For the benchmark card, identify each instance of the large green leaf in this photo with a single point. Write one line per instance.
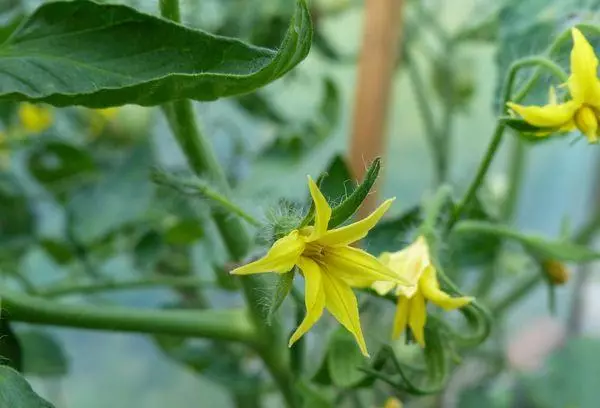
(15, 392)
(97, 55)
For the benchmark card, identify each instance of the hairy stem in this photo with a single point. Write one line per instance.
(202, 160)
(230, 325)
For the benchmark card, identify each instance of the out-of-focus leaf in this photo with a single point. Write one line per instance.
(344, 359)
(569, 378)
(148, 250)
(336, 181)
(121, 197)
(17, 221)
(56, 162)
(282, 289)
(476, 249)
(297, 139)
(543, 248)
(43, 355)
(15, 392)
(312, 397)
(259, 106)
(61, 252)
(184, 232)
(99, 55)
(11, 15)
(394, 234)
(11, 352)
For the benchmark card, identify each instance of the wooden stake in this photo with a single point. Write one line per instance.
(380, 47)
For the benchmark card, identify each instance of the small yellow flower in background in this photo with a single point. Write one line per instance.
(556, 271)
(583, 110)
(393, 403)
(414, 265)
(329, 264)
(100, 117)
(35, 118)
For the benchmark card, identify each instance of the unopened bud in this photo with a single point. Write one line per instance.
(556, 271)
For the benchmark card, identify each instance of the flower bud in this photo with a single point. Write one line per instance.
(555, 271)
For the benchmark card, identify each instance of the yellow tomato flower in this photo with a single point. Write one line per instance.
(329, 264)
(556, 271)
(413, 264)
(35, 118)
(583, 110)
(393, 403)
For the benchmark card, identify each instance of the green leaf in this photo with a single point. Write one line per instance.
(569, 378)
(184, 232)
(543, 248)
(394, 234)
(15, 392)
(336, 181)
(344, 359)
(99, 55)
(17, 220)
(56, 162)
(282, 289)
(259, 106)
(475, 249)
(43, 355)
(61, 252)
(351, 204)
(122, 197)
(311, 396)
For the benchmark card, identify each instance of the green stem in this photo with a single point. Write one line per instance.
(204, 189)
(87, 288)
(556, 44)
(480, 175)
(202, 160)
(500, 127)
(515, 179)
(231, 325)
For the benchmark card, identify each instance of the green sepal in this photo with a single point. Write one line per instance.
(285, 282)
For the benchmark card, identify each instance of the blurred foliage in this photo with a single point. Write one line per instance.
(92, 168)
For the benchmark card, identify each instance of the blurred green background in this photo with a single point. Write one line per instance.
(104, 217)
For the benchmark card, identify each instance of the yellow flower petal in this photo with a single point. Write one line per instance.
(314, 297)
(282, 256)
(418, 317)
(358, 268)
(356, 231)
(322, 210)
(430, 288)
(383, 287)
(35, 118)
(341, 302)
(548, 115)
(583, 82)
(401, 317)
(586, 121)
